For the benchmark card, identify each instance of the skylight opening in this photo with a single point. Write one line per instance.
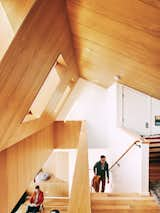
(6, 32)
(63, 99)
(47, 90)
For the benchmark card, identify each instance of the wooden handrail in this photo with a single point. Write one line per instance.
(129, 148)
(80, 201)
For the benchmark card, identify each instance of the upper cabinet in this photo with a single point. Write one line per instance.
(138, 111)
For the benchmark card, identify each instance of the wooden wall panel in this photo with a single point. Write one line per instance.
(21, 162)
(66, 134)
(3, 182)
(43, 35)
(28, 128)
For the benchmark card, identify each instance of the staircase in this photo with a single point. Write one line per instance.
(56, 203)
(104, 202)
(112, 202)
(81, 198)
(154, 157)
(49, 204)
(123, 203)
(154, 172)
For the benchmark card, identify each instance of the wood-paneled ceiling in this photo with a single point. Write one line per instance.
(118, 37)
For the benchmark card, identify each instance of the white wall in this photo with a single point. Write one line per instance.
(145, 168)
(58, 165)
(99, 107)
(88, 102)
(129, 176)
(61, 164)
(72, 162)
(136, 111)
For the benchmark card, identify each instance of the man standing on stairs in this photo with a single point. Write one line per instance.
(101, 170)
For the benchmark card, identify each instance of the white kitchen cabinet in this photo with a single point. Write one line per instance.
(134, 110)
(137, 111)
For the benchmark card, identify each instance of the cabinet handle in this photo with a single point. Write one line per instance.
(147, 125)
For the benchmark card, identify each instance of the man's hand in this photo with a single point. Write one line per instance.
(108, 181)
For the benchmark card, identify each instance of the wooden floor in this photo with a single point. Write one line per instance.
(111, 203)
(58, 203)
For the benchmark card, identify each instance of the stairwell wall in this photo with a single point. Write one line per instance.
(98, 106)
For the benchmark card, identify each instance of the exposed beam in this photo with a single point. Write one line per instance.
(43, 35)
(49, 114)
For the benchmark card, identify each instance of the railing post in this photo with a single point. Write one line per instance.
(80, 201)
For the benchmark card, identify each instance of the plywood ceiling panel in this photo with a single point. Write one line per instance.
(118, 37)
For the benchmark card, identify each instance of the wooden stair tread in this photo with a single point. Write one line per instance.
(99, 207)
(119, 207)
(120, 195)
(115, 194)
(126, 211)
(123, 203)
(105, 202)
(124, 198)
(61, 208)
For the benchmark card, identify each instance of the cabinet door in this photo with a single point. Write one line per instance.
(136, 110)
(155, 116)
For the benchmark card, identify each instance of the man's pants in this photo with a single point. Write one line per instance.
(103, 180)
(32, 209)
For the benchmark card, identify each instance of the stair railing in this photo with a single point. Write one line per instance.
(137, 143)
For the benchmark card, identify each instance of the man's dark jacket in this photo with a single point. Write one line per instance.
(98, 170)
